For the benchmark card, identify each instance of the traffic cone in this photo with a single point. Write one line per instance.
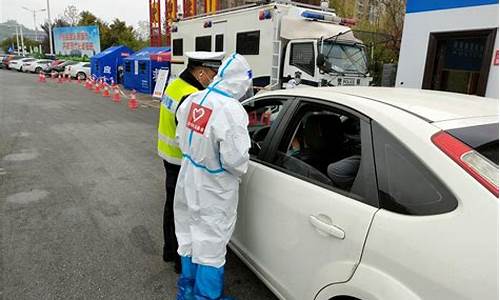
(116, 94)
(88, 85)
(101, 84)
(132, 102)
(97, 88)
(69, 78)
(106, 91)
(60, 79)
(41, 77)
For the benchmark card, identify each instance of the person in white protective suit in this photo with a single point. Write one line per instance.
(213, 137)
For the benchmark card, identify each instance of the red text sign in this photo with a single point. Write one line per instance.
(198, 118)
(496, 59)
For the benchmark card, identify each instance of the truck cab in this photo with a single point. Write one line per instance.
(287, 44)
(330, 55)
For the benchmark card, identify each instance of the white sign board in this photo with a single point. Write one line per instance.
(161, 81)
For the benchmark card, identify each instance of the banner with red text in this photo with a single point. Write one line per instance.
(77, 40)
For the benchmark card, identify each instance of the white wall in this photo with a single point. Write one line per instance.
(416, 31)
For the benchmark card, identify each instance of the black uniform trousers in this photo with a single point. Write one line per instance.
(170, 240)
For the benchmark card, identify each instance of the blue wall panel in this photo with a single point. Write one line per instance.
(413, 6)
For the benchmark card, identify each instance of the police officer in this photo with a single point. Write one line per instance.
(201, 68)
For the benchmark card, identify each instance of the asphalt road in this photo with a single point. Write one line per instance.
(81, 198)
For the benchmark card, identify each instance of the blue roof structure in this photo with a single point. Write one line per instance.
(145, 53)
(106, 63)
(141, 70)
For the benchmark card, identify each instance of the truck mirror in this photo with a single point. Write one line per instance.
(320, 61)
(323, 64)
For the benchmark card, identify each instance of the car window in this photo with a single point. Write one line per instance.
(405, 184)
(262, 114)
(329, 147)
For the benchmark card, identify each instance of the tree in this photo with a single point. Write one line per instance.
(392, 21)
(59, 22)
(12, 41)
(71, 15)
(142, 32)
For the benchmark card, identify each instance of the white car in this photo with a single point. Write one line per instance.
(18, 63)
(80, 70)
(37, 66)
(371, 193)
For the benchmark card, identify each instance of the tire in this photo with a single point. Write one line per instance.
(38, 70)
(20, 69)
(81, 76)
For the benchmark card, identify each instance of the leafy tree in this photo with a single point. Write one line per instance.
(8, 42)
(59, 22)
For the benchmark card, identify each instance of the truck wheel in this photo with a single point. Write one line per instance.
(81, 76)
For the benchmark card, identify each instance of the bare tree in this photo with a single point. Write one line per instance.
(393, 20)
(142, 30)
(71, 15)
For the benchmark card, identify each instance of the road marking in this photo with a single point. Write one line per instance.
(3, 172)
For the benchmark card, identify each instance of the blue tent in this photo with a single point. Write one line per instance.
(106, 63)
(141, 70)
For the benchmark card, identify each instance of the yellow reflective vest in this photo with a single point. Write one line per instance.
(168, 148)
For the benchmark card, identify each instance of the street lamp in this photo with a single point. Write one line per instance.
(34, 11)
(50, 29)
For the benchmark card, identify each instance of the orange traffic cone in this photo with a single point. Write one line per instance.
(69, 78)
(101, 84)
(97, 88)
(106, 91)
(132, 102)
(60, 79)
(116, 94)
(41, 77)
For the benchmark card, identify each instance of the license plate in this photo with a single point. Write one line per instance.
(348, 81)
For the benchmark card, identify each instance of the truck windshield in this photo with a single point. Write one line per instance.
(345, 58)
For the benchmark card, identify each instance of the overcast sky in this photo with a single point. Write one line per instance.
(130, 11)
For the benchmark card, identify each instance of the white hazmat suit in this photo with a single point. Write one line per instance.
(213, 137)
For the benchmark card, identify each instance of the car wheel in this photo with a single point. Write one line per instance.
(20, 69)
(38, 70)
(81, 76)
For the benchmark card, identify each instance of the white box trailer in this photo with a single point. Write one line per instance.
(285, 43)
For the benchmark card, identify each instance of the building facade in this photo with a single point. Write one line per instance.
(450, 45)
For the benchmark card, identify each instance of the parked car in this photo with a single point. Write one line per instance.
(80, 70)
(371, 193)
(8, 58)
(38, 66)
(59, 68)
(17, 64)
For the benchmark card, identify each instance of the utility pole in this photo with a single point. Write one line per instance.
(17, 40)
(22, 39)
(34, 11)
(50, 29)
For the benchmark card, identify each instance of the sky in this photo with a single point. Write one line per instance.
(130, 11)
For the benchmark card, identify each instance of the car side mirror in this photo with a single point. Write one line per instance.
(323, 64)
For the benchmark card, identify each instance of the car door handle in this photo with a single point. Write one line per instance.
(327, 228)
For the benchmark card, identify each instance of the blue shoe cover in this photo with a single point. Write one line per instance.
(185, 283)
(209, 283)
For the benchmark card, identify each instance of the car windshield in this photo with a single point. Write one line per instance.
(345, 58)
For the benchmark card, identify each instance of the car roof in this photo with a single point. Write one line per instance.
(429, 105)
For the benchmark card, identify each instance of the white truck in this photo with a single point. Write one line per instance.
(285, 43)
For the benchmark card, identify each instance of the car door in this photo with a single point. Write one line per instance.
(304, 225)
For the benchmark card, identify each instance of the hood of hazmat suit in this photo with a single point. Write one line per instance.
(213, 137)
